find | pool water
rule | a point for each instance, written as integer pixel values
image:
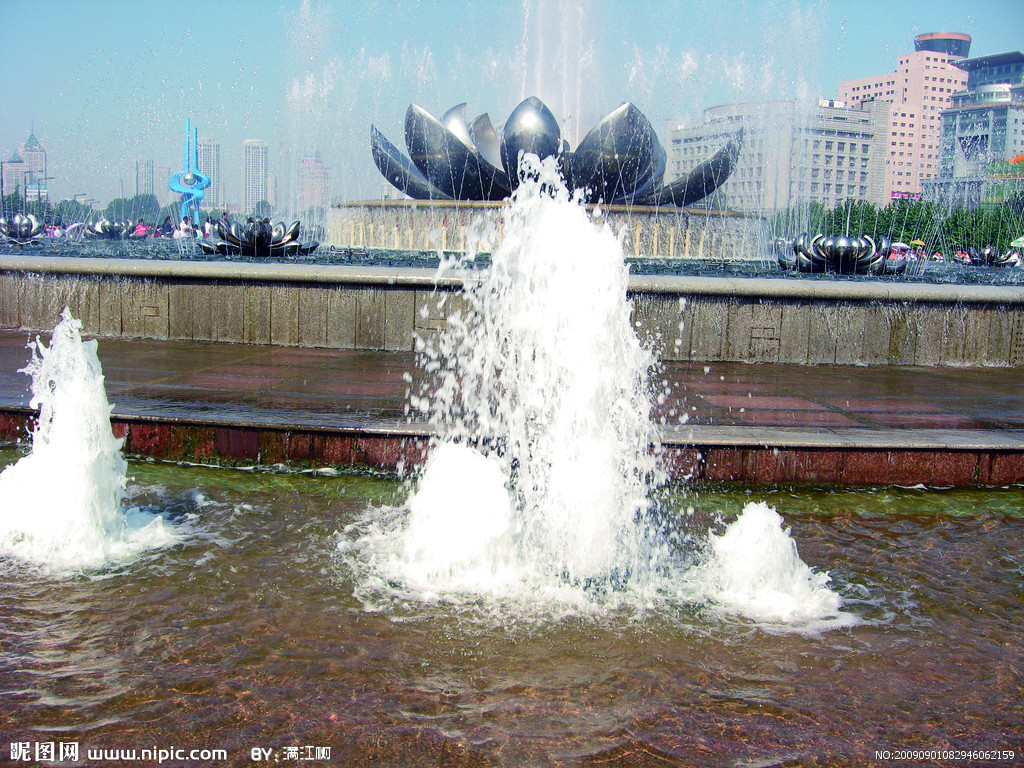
(246, 630)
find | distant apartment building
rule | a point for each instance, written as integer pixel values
(921, 87)
(208, 151)
(144, 178)
(25, 171)
(792, 153)
(982, 131)
(254, 174)
(314, 182)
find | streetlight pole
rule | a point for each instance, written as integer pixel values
(46, 185)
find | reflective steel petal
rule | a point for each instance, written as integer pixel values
(703, 180)
(617, 159)
(399, 170)
(455, 121)
(456, 169)
(290, 235)
(486, 140)
(530, 128)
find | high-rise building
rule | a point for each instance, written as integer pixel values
(254, 174)
(982, 131)
(25, 171)
(144, 179)
(314, 182)
(791, 154)
(209, 163)
(921, 87)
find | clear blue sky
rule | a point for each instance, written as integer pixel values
(104, 82)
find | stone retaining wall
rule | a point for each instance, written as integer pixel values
(683, 318)
(227, 444)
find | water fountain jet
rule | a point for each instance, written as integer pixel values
(61, 505)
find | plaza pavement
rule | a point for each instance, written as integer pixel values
(730, 405)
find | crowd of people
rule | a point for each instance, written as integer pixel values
(961, 256)
(187, 227)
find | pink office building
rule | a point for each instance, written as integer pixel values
(314, 182)
(920, 88)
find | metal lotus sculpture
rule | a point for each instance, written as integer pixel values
(258, 238)
(108, 230)
(842, 254)
(21, 230)
(619, 161)
(991, 257)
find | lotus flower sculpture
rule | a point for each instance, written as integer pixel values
(843, 254)
(619, 161)
(991, 257)
(109, 230)
(257, 237)
(21, 230)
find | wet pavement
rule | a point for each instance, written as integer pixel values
(720, 403)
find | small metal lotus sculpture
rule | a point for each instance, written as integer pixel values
(991, 257)
(257, 238)
(619, 161)
(108, 230)
(21, 230)
(842, 254)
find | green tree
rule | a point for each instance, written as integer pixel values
(172, 209)
(69, 211)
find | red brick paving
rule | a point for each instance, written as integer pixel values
(246, 403)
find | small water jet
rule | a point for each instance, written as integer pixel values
(753, 569)
(61, 505)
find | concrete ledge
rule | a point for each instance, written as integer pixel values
(245, 272)
(705, 319)
(680, 285)
(826, 290)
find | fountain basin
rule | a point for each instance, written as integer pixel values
(234, 631)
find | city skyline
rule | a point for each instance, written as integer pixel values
(99, 101)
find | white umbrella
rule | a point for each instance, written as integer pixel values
(902, 245)
(1018, 243)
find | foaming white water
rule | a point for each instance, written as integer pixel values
(458, 518)
(544, 373)
(538, 493)
(753, 569)
(60, 506)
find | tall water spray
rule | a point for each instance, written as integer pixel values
(538, 391)
(61, 505)
(539, 488)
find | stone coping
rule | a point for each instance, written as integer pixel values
(727, 436)
(408, 277)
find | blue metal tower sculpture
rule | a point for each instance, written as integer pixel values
(190, 181)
